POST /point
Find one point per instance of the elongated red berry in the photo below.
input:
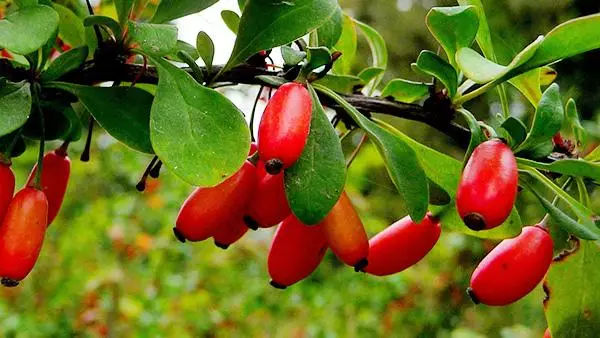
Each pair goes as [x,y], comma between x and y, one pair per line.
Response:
[7,188]
[346,235]
[268,205]
[513,268]
[229,233]
[284,127]
[207,208]
[488,186]
[402,245]
[22,234]
[295,252]
[56,169]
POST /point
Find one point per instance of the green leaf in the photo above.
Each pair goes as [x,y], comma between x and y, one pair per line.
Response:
[28,29]
[453,27]
[315,182]
[482,70]
[570,167]
[585,224]
[484,38]
[25,3]
[153,39]
[329,33]
[379,53]
[405,90]
[65,63]
[400,159]
[594,155]
[242,4]
[432,64]
[575,124]
[231,19]
[7,140]
[477,135]
[516,130]
[445,172]
[274,81]
[567,39]
[185,47]
[123,112]
[196,131]
[346,44]
[206,49]
[15,105]
[60,122]
[123,8]
[169,10]
[529,85]
[268,24]
[345,84]
[70,27]
[573,302]
[584,196]
[291,56]
[368,74]
[547,121]
[108,22]
[316,57]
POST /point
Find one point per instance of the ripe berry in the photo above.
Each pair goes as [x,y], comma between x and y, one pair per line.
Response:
[268,205]
[284,127]
[295,252]
[22,234]
[346,234]
[513,268]
[229,233]
[547,333]
[56,169]
[207,208]
[488,186]
[7,188]
[401,245]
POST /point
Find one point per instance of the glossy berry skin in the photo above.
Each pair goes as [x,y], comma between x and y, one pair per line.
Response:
[488,186]
[229,233]
[295,252]
[345,234]
[513,268]
[268,205]
[22,234]
[284,127]
[7,188]
[547,334]
[208,208]
[402,245]
[56,170]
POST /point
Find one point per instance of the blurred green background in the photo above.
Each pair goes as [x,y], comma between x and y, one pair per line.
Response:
[110,265]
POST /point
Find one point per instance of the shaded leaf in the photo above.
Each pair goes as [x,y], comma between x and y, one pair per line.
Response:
[405,90]
[65,63]
[431,64]
[105,21]
[70,27]
[153,39]
[516,130]
[183,46]
[575,124]
[15,105]
[291,56]
[316,180]
[329,33]
[123,112]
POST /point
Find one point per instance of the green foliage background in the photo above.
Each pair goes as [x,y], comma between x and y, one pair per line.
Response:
[111,266]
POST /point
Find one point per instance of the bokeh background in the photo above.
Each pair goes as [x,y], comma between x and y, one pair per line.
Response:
[110,265]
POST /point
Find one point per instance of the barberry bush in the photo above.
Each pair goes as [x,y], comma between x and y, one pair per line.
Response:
[65,71]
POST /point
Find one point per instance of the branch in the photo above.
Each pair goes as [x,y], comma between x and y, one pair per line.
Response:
[92,73]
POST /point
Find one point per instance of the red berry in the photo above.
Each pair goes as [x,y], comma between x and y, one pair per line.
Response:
[268,206]
[253,149]
[284,127]
[229,233]
[22,234]
[488,186]
[208,208]
[345,234]
[295,252]
[402,245]
[547,333]
[7,188]
[56,169]
[513,268]
[5,54]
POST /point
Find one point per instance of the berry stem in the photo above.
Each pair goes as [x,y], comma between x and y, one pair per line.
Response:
[85,155]
[141,186]
[260,90]
[37,183]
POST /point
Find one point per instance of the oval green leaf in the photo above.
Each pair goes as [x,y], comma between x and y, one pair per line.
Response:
[153,39]
[405,90]
[453,27]
[65,63]
[28,29]
[432,64]
[169,10]
[315,182]
[196,131]
[15,105]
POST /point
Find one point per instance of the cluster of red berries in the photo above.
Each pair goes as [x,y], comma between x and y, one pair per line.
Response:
[25,216]
[255,197]
[485,197]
